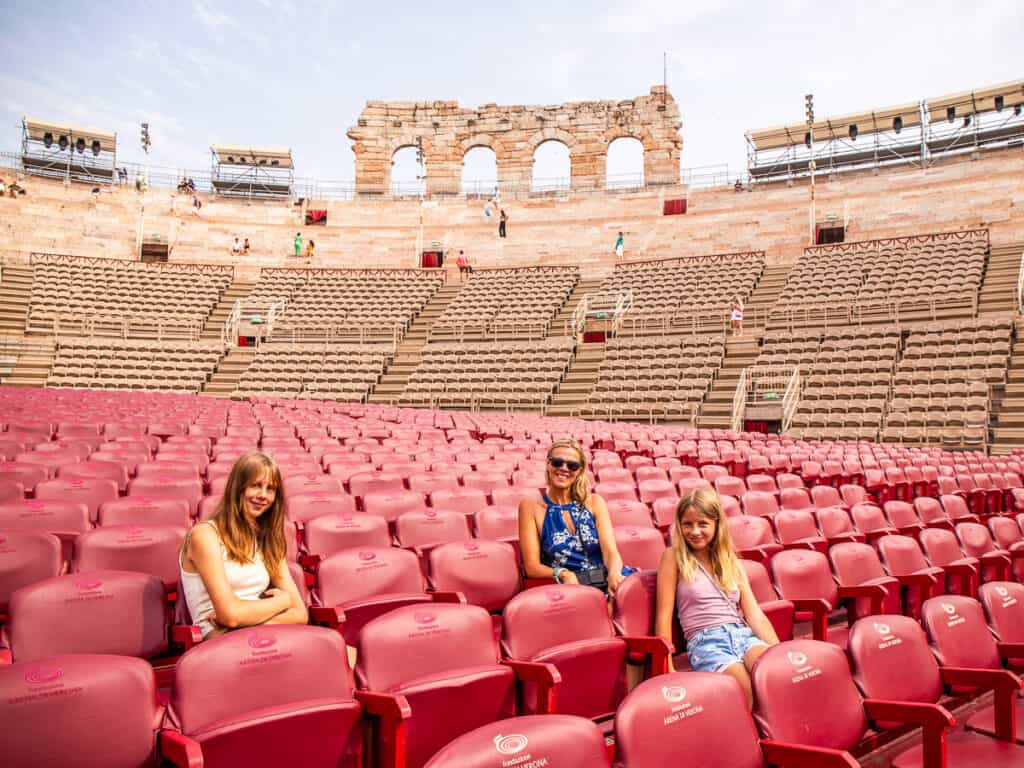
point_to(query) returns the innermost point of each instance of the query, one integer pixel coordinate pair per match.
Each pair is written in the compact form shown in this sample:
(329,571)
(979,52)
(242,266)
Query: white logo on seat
(1002,591)
(510,745)
(796,658)
(673,693)
(950,609)
(882,629)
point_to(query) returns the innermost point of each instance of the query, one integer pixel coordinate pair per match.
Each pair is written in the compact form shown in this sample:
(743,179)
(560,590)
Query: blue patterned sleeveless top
(562,548)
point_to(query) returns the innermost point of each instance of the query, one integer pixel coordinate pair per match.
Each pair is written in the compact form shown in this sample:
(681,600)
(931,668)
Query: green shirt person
(619,246)
(298,243)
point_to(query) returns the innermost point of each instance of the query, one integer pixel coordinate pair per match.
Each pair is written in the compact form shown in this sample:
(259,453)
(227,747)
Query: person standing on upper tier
(298,243)
(619,247)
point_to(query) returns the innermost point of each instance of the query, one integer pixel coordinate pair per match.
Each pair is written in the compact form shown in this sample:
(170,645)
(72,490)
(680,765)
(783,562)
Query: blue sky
(298,73)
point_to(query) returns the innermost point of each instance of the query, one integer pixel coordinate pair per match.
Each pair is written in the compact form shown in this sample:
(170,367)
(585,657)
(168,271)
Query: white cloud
(209,16)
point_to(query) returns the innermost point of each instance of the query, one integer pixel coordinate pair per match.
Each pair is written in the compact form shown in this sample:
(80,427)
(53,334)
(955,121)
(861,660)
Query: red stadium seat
(857,564)
(29,475)
(439,662)
(431,527)
(797,530)
(145,510)
(90,491)
(392,504)
(315,482)
(903,517)
(931,513)
(152,549)
(761,483)
(109,470)
(485,572)
(65,519)
(544,740)
(326,534)
(1008,536)
(159,487)
(305,713)
(639,546)
(956,509)
(25,558)
(760,504)
(1003,602)
(108,715)
(464,500)
(781,613)
(500,523)
(943,550)
(306,507)
(826,496)
(753,537)
(835,525)
(871,521)
(976,541)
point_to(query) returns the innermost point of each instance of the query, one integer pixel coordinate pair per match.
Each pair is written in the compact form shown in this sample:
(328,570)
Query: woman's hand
(615,578)
(281,596)
(567,577)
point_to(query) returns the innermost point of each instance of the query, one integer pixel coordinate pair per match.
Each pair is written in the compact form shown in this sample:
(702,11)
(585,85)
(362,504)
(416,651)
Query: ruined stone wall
(447,132)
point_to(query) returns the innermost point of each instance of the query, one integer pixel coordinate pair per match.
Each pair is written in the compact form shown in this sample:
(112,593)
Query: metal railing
(124,327)
(1020,284)
(791,399)
(229,333)
(739,402)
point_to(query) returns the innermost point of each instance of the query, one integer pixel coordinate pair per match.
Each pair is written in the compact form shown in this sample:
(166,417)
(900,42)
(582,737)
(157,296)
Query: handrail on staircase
(229,332)
(1020,284)
(739,402)
(791,399)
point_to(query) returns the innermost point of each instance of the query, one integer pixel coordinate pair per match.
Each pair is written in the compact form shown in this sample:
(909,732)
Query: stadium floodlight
(144,138)
(809,108)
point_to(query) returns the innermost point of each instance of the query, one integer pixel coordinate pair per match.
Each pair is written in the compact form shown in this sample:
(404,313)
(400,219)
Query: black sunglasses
(557,463)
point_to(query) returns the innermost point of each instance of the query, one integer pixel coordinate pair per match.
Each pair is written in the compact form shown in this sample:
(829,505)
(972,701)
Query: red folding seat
(106,707)
(855,564)
(510,497)
(463,500)
(903,517)
(306,507)
(805,579)
(304,714)
(562,740)
(486,480)
(613,473)
(688,484)
(730,505)
(753,537)
(989,487)
(664,514)
(891,662)
(428,528)
(11,490)
(500,523)
(972,659)
(781,613)
(932,514)
(639,546)
(794,498)
(647,473)
(1008,536)
(632,463)
(568,626)
(64,519)
(761,483)
(976,541)
(633,615)
(956,509)
(108,470)
(29,475)
(354,586)
(630,513)
(9,447)
(826,496)
(152,549)
(617,491)
(899,485)
(25,558)
(787,480)
(1003,602)
(805,697)
(652,490)
(363,483)
(181,463)
(485,572)
(314,482)
(684,472)
(333,532)
(159,487)
(760,504)
(835,525)
(797,530)
(89,491)
(871,521)
(97,612)
(439,663)
(145,510)
(943,550)
(854,494)
(732,486)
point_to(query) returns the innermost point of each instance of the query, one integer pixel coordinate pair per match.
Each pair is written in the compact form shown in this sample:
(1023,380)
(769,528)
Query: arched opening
(407,172)
(624,168)
(480,172)
(552,171)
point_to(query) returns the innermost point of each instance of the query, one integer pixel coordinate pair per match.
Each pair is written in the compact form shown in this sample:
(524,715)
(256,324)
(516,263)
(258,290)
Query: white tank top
(247,581)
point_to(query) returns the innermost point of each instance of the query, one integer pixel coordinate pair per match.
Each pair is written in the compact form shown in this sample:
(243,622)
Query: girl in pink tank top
(702,584)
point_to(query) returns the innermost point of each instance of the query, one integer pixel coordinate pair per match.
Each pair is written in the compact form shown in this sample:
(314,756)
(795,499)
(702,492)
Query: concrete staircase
(229,370)
(564,316)
(215,322)
(34,363)
(407,356)
(716,410)
(579,380)
(15,292)
(763,297)
(1007,413)
(998,293)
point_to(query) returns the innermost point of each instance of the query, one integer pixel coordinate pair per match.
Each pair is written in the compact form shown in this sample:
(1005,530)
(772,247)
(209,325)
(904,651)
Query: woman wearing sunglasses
(568,536)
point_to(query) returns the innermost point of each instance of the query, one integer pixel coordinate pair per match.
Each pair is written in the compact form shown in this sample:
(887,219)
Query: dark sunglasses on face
(557,463)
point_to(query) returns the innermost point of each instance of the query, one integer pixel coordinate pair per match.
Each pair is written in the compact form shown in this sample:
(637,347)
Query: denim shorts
(715,648)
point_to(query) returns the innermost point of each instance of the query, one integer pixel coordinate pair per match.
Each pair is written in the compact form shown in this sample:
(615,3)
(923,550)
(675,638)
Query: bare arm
(606,536)
(529,542)
(229,611)
(665,598)
(755,617)
(296,612)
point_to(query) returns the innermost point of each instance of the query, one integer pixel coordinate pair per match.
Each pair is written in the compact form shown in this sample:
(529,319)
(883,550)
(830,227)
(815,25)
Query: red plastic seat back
(855,563)
(975,539)
(902,555)
(940,546)
(25,558)
(358,574)
(868,518)
(98,612)
(151,549)
(749,531)
(760,581)
(1005,531)
(760,504)
(826,496)
(853,494)
(466,501)
(562,740)
(788,480)
(833,521)
(795,524)
(1003,602)
(954,506)
(93,468)
(681,714)
(431,527)
(633,604)
(106,708)
(145,510)
(958,633)
(804,693)
(890,659)
(64,519)
(929,510)
(804,574)
(794,498)
(497,522)
(761,483)
(485,572)
(308,506)
(639,546)
(539,619)
(623,512)
(326,534)
(902,515)
(237,695)
(313,482)
(168,488)
(29,475)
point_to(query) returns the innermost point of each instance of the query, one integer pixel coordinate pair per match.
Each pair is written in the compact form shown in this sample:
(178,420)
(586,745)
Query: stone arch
(652,149)
(624,163)
(554,173)
(403,157)
(551,134)
(479,170)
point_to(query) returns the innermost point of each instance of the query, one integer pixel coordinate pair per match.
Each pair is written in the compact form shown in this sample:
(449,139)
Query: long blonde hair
(580,488)
(725,564)
(240,538)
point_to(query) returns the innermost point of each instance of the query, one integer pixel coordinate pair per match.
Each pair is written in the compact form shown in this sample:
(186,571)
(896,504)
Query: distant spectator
(619,246)
(298,243)
(122,175)
(736,317)
(245,246)
(191,186)
(465,268)
(310,250)
(488,209)
(14,189)
(738,186)
(502,220)
(197,205)
(174,202)
(183,185)
(236,247)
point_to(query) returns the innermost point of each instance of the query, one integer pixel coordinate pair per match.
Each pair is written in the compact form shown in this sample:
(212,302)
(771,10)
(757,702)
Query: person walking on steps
(502,220)
(298,243)
(619,247)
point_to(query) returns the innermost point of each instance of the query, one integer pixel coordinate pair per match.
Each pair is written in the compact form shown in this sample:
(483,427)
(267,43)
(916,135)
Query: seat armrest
(786,755)
(1002,682)
(875,592)
(392,711)
(911,712)
(819,610)
(448,597)
(330,616)
(657,648)
(545,675)
(179,749)
(1011,650)
(187,635)
(309,563)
